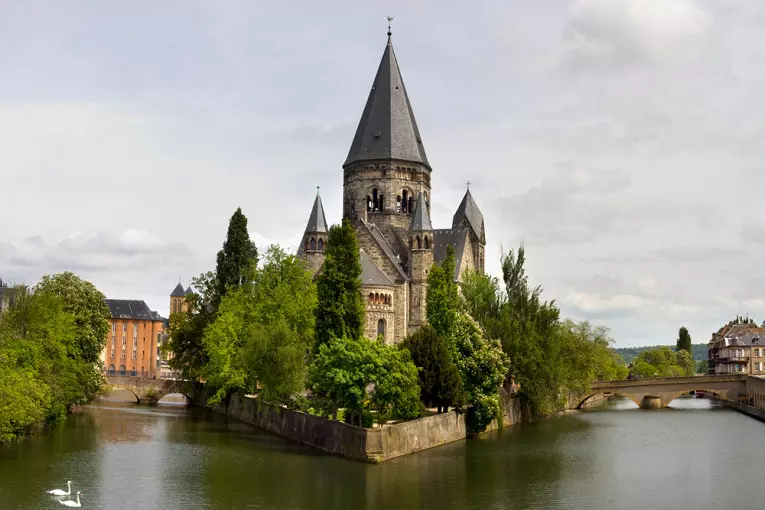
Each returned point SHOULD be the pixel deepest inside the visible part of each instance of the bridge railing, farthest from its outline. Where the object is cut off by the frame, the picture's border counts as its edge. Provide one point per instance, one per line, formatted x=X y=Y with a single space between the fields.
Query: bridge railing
x=129 y=373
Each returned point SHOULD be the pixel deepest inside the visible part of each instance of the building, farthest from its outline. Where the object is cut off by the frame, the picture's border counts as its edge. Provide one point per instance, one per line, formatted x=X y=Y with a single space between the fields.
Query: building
x=387 y=197
x=135 y=336
x=178 y=299
x=7 y=296
x=737 y=348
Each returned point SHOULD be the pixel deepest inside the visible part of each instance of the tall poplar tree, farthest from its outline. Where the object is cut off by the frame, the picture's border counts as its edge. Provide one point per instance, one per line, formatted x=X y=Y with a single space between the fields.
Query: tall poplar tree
x=340 y=310
x=237 y=257
x=684 y=340
x=443 y=296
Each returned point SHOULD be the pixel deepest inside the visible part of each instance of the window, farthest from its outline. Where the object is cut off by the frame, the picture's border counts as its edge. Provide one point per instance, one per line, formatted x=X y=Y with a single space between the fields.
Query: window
x=124 y=326
x=405 y=201
x=135 y=342
x=134 y=354
x=427 y=243
x=122 y=355
x=114 y=341
x=381 y=328
x=112 y=357
x=124 y=341
x=321 y=244
x=757 y=354
x=313 y=243
x=114 y=326
x=757 y=366
x=135 y=329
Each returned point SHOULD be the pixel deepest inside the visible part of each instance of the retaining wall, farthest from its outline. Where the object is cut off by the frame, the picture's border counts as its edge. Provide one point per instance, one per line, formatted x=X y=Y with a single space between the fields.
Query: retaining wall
x=369 y=445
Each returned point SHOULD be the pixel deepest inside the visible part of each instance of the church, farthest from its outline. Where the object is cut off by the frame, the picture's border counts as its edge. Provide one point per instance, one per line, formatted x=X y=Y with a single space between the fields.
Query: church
x=387 y=197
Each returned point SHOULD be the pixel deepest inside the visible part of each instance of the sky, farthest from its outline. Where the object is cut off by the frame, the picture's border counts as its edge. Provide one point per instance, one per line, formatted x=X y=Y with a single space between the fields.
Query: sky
x=621 y=141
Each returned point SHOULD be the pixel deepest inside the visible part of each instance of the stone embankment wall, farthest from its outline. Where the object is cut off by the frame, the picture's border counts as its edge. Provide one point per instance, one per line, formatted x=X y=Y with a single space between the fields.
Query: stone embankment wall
x=368 y=445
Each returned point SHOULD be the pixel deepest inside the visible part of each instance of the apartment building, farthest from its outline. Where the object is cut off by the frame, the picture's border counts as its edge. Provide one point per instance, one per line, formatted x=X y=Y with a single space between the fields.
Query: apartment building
x=134 y=339
x=737 y=349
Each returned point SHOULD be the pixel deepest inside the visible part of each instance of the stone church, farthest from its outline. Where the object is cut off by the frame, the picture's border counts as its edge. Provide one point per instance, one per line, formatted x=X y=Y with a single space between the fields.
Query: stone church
x=387 y=197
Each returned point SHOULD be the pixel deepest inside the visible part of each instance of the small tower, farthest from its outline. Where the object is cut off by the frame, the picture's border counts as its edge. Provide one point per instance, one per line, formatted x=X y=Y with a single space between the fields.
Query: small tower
x=469 y=216
x=420 y=262
x=178 y=299
x=311 y=248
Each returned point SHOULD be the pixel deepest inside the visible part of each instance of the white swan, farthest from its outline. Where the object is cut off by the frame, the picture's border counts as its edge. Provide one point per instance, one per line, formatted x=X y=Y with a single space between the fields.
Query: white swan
x=59 y=492
x=71 y=502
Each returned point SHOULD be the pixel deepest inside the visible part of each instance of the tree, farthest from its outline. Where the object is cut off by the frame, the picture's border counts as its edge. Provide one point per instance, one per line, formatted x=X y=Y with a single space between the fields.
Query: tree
x=440 y=380
x=187 y=329
x=262 y=331
x=358 y=374
x=664 y=361
x=86 y=303
x=237 y=258
x=443 y=296
x=340 y=309
x=684 y=340
x=483 y=367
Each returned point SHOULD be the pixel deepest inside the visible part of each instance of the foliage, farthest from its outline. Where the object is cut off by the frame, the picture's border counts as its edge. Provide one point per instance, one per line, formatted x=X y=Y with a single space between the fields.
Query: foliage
x=440 y=380
x=549 y=358
x=684 y=340
x=236 y=259
x=698 y=352
x=91 y=314
x=662 y=362
x=340 y=309
x=187 y=329
x=483 y=367
x=443 y=296
x=359 y=373
x=263 y=331
x=44 y=365
x=702 y=366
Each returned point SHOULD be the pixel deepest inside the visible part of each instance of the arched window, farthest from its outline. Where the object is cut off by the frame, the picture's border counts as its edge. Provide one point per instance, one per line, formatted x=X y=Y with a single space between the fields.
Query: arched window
x=411 y=204
x=398 y=203
x=369 y=203
x=321 y=244
x=313 y=243
x=122 y=369
x=375 y=200
x=427 y=243
x=405 y=201
x=371 y=298
x=419 y=243
x=411 y=243
x=381 y=328
x=381 y=203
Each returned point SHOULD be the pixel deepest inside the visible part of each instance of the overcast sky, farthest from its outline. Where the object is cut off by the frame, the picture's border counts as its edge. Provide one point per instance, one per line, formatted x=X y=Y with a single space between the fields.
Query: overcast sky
x=623 y=141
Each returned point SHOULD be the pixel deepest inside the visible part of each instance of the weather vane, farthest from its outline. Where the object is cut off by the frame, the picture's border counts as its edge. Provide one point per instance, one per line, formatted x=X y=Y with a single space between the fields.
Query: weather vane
x=390 y=18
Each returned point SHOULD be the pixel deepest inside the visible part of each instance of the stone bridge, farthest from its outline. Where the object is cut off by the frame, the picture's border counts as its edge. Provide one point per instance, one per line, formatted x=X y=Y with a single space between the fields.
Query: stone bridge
x=657 y=392
x=145 y=389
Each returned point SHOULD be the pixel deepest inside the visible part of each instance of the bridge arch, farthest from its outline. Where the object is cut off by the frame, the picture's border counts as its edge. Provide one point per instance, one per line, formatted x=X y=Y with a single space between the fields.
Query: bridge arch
x=667 y=399
x=633 y=398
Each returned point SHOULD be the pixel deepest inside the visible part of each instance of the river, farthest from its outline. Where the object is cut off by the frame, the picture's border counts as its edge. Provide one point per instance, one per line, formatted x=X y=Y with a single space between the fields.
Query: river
x=694 y=455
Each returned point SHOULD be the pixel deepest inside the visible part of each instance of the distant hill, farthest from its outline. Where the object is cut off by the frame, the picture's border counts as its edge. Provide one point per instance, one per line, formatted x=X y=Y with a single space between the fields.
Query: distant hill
x=699 y=351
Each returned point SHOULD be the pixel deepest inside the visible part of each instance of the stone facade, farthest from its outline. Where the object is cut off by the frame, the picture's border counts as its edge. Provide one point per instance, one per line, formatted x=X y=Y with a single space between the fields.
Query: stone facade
x=387 y=197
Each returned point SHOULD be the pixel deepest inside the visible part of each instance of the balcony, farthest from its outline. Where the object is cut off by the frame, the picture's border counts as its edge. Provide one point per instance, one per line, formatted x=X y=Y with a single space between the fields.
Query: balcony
x=732 y=359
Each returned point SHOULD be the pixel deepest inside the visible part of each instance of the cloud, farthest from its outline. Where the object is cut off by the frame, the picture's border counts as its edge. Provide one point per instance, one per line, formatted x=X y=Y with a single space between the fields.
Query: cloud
x=623 y=32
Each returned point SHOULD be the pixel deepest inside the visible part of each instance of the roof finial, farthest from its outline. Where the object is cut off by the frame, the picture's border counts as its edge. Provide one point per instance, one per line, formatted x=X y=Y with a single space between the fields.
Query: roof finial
x=468 y=185
x=390 y=18
x=317 y=190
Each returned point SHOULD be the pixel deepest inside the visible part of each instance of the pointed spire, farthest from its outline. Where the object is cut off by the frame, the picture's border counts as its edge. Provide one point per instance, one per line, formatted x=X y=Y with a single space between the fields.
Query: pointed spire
x=178 y=291
x=317 y=222
x=387 y=129
x=421 y=215
x=469 y=215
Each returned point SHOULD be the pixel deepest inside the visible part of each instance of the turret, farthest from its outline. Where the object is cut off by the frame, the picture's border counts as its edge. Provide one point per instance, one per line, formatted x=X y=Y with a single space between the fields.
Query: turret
x=420 y=261
x=469 y=216
x=311 y=248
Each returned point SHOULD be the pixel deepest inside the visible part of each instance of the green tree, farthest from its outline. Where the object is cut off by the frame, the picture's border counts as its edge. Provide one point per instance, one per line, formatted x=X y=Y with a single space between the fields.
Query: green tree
x=237 y=258
x=83 y=300
x=643 y=369
x=440 y=380
x=262 y=331
x=684 y=340
x=443 y=296
x=359 y=373
x=483 y=367
x=340 y=309
x=664 y=361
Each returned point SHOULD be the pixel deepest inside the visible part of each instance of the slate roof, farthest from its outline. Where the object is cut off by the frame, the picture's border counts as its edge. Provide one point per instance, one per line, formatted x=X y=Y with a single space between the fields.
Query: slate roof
x=387 y=129
x=370 y=273
x=456 y=237
x=385 y=246
x=189 y=290
x=469 y=215
x=178 y=291
x=130 y=309
x=317 y=222
x=421 y=216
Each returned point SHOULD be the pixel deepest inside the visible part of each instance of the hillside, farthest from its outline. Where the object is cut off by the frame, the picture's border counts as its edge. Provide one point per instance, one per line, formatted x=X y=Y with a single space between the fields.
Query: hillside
x=699 y=351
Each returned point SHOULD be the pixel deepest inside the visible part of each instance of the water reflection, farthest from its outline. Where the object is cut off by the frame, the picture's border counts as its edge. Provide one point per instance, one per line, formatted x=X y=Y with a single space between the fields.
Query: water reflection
x=617 y=457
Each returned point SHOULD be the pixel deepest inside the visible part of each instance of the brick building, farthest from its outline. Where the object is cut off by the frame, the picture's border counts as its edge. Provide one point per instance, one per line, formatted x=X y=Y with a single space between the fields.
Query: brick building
x=135 y=336
x=387 y=197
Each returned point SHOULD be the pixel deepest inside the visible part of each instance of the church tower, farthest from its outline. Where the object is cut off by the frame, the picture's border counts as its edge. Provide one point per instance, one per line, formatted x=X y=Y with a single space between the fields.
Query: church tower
x=386 y=165
x=421 y=260
x=178 y=299
x=469 y=216
x=311 y=248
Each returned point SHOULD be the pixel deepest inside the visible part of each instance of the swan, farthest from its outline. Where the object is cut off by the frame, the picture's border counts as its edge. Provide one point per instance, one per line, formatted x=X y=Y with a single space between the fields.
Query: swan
x=59 y=492
x=71 y=502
